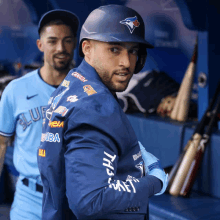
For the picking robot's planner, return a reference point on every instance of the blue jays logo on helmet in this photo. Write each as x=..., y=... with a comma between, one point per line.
x=131, y=23
x=53, y=105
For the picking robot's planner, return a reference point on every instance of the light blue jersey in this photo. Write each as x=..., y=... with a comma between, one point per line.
x=22, y=108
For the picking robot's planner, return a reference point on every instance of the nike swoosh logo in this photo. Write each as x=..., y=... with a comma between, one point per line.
x=30, y=97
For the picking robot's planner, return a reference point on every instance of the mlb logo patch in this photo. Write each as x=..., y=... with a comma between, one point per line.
x=131, y=23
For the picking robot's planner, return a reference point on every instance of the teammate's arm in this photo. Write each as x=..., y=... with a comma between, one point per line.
x=3, y=145
x=7, y=122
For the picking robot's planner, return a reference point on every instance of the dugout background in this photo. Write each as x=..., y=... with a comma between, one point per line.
x=172, y=27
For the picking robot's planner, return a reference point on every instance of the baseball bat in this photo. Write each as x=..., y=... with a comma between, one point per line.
x=189, y=154
x=175, y=110
x=191, y=176
x=181, y=106
x=199, y=128
x=174, y=169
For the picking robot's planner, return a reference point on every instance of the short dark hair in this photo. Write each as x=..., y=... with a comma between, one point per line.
x=57, y=22
x=63, y=16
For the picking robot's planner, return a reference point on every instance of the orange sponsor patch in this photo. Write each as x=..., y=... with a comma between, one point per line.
x=56, y=124
x=89, y=90
x=42, y=153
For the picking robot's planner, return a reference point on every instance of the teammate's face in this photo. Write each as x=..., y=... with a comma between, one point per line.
x=57, y=42
x=114, y=62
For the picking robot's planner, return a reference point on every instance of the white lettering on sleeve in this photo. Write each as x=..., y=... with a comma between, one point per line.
x=134, y=190
x=126, y=186
x=108, y=164
x=109, y=172
x=117, y=185
x=110, y=156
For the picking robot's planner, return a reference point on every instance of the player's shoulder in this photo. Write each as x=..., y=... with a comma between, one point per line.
x=91, y=97
x=29, y=77
x=85, y=84
x=80, y=90
x=85, y=88
x=18, y=84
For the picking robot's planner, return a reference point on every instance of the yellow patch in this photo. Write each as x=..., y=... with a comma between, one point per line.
x=56, y=124
x=66, y=83
x=89, y=90
x=42, y=153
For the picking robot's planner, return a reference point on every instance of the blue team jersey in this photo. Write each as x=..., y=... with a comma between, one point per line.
x=89, y=158
x=22, y=108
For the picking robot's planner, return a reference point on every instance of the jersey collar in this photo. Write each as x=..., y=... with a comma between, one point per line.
x=88, y=71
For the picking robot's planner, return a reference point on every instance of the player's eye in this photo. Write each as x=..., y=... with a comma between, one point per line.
x=69, y=41
x=114, y=50
x=52, y=42
x=134, y=51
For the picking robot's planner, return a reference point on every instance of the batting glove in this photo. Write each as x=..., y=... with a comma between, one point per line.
x=152, y=167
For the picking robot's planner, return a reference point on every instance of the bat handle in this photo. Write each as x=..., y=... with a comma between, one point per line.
x=191, y=176
x=185, y=166
x=173, y=171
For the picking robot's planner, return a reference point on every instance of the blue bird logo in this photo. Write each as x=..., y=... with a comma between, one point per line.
x=53, y=105
x=131, y=23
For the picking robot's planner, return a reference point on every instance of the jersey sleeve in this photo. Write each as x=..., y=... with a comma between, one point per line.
x=91, y=159
x=7, y=119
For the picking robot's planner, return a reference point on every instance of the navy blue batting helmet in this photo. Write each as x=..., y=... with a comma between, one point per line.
x=116, y=23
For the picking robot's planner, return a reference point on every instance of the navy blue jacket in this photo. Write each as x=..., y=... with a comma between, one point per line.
x=89, y=158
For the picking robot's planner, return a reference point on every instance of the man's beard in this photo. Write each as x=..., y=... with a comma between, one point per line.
x=62, y=65
x=106, y=77
x=107, y=80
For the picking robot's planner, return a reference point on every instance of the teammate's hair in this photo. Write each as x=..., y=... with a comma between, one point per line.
x=56, y=22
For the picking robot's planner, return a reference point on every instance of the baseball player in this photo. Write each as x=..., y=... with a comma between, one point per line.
x=91, y=163
x=23, y=106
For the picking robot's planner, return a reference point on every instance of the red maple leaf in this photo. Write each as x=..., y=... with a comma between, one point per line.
x=136, y=23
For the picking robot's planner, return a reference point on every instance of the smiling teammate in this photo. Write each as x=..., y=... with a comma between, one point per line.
x=90, y=160
x=23, y=105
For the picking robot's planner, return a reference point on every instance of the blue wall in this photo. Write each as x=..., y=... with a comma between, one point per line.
x=164, y=29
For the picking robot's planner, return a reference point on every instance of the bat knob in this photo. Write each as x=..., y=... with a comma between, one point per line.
x=202, y=79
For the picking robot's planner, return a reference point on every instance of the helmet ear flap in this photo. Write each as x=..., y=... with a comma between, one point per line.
x=142, y=56
x=80, y=49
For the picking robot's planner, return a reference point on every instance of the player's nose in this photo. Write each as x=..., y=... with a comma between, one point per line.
x=60, y=46
x=125, y=59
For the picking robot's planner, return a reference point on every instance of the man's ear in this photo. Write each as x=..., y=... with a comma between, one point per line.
x=40, y=45
x=86, y=48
